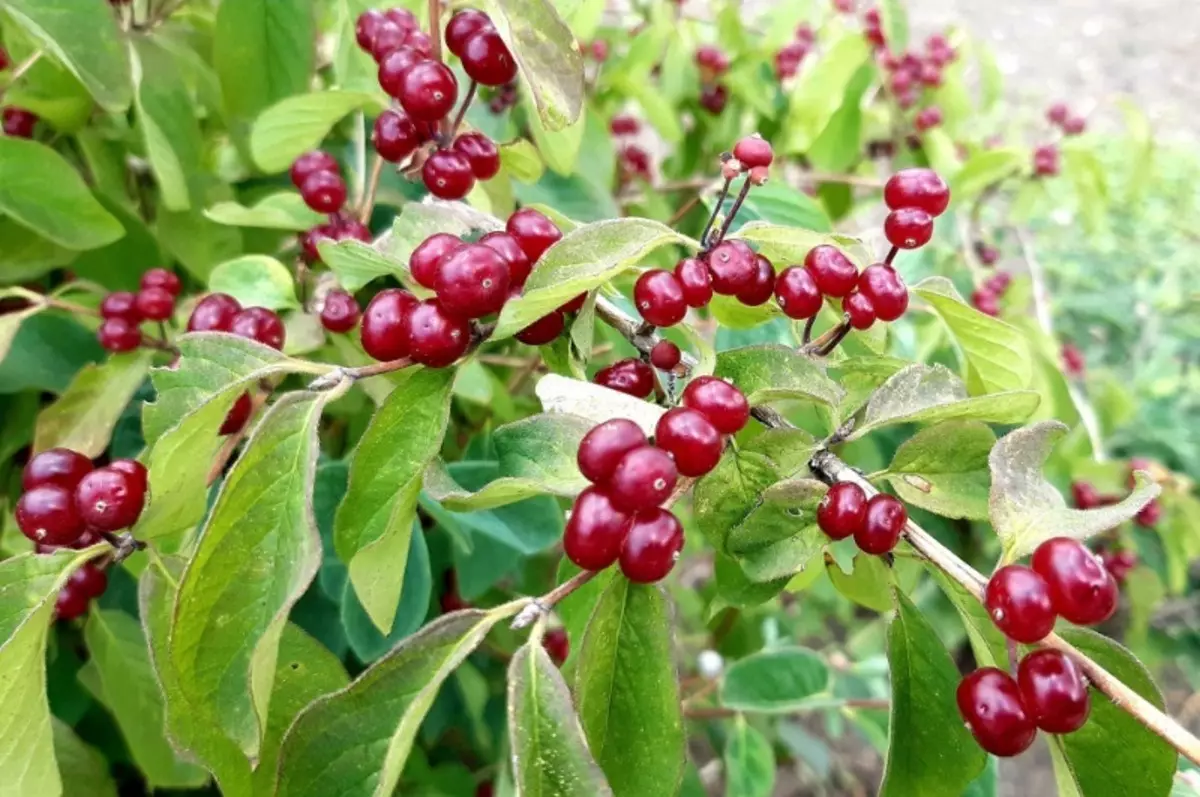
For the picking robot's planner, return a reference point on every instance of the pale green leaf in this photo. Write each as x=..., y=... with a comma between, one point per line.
x=775, y=681
x=83, y=417
x=785, y=246
x=944, y=469
x=819, y=89
x=749, y=762
x=559, y=149
x=83, y=769
x=773, y=372
x=255, y=281
x=284, y=210
x=298, y=124
x=521, y=160
x=985, y=169
x=869, y=584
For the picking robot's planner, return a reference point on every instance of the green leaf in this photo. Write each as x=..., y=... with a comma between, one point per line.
x=894, y=22
x=584, y=259
x=996, y=354
x=929, y=750
x=284, y=210
x=83, y=35
x=576, y=197
x=775, y=681
x=25, y=256
x=1026, y=509
x=944, y=469
x=724, y=498
x=122, y=659
x=819, y=90
x=364, y=638
x=166, y=118
x=43, y=351
x=83, y=417
x=374, y=522
x=985, y=169
x=1088, y=176
x=119, y=265
x=41, y=191
x=263, y=51
x=354, y=742
x=749, y=762
x=196, y=242
x=775, y=205
x=549, y=755
x=255, y=280
x=627, y=692
x=773, y=372
x=83, y=769
x=298, y=124
x=521, y=160
x=255, y=556
x=869, y=585
x=987, y=642
x=930, y=394
x=840, y=144
x=547, y=56
x=1113, y=753
x=785, y=245
x=559, y=149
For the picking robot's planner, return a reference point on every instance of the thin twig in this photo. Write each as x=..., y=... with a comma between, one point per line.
x=20, y=69
x=462, y=112
x=337, y=376
x=368, y=205
x=808, y=329
x=734, y=208
x=823, y=345
x=716, y=209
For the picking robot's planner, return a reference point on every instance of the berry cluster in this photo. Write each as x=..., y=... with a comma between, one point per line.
x=68, y=503
x=619, y=518
x=1046, y=161
x=875, y=524
x=124, y=311
x=318, y=177
x=986, y=298
x=789, y=58
x=633, y=161
x=910, y=74
x=713, y=63
x=1061, y=117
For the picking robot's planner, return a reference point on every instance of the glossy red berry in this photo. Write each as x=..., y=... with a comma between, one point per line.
x=420, y=42
x=651, y=547
x=881, y=529
x=214, y=313
x=722, y=403
x=260, y=324
x=886, y=289
x=161, y=278
x=118, y=335
x=713, y=98
x=917, y=188
x=472, y=281
x=642, y=479
x=395, y=136
x=70, y=604
x=436, y=337
x=754, y=151
x=689, y=437
x=630, y=376
x=533, y=231
x=109, y=500
x=990, y=703
x=665, y=355
x=763, y=285
x=324, y=192
x=428, y=90
x=545, y=330
x=462, y=26
x=237, y=416
x=575, y=305
x=385, y=324
x=1018, y=600
x=60, y=466
x=136, y=471
x=311, y=163
x=88, y=581
x=486, y=58
x=47, y=515
x=731, y=264
x=908, y=228
x=595, y=531
x=1082, y=590
x=365, y=27
x=18, y=122
x=986, y=302
x=392, y=67
x=696, y=281
x=1085, y=495
x=842, y=511
x=388, y=38
x=860, y=310
x=605, y=445
x=340, y=312
x=1058, y=113
x=835, y=274
x=797, y=293
x=447, y=174
x=423, y=263
x=659, y=298
x=121, y=304
x=311, y=239
x=481, y=152
x=507, y=247
x=155, y=304
x=1045, y=160
x=1054, y=691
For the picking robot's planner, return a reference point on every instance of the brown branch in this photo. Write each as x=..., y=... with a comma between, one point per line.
x=368, y=205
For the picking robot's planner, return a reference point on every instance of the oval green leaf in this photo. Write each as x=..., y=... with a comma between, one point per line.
x=749, y=762
x=83, y=417
x=297, y=124
x=774, y=681
x=255, y=281
x=281, y=211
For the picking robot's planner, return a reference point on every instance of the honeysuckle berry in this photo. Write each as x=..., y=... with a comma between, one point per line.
x=1074, y=126
x=118, y=335
x=986, y=302
x=598, y=49
x=1149, y=515
x=437, y=337
x=1045, y=161
x=486, y=58
x=691, y=439
x=754, y=151
x=696, y=281
x=108, y=499
x=884, y=522
x=135, y=470
x=630, y=376
x=1018, y=600
x=931, y=77
x=988, y=255
x=533, y=231
x=70, y=605
x=834, y=273
x=237, y=416
x=998, y=283
x=643, y=479
x=595, y=531
x=886, y=289
x=121, y=304
x=762, y=286
x=155, y=304
x=47, y=514
x=18, y=122
x=481, y=152
x=59, y=466
x=394, y=136
x=557, y=645
x=324, y=192
x=1057, y=113
x=604, y=446
x=723, y=404
x=420, y=42
x=1085, y=495
x=842, y=511
x=665, y=355
x=990, y=703
x=309, y=164
x=448, y=174
x=658, y=296
x=713, y=98
x=424, y=260
x=391, y=70
x=1054, y=691
x=365, y=27
x=214, y=313
x=711, y=60
x=624, y=125
x=731, y=264
x=860, y=311
x=89, y=581
x=472, y=281
x=1073, y=361
x=797, y=292
x=928, y=118
x=388, y=37
x=340, y=312
x=161, y=278
x=462, y=26
x=908, y=228
x=260, y=324
x=545, y=330
x=428, y=90
x=917, y=188
x=1118, y=563
x=1082, y=591
x=519, y=265
x=652, y=546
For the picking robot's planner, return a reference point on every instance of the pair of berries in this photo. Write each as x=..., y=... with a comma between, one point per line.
x=988, y=255
x=1004, y=714
x=876, y=523
x=18, y=122
x=713, y=63
x=64, y=497
x=124, y=311
x=1061, y=117
x=789, y=58
x=915, y=197
x=84, y=585
x=1046, y=161
x=1064, y=579
x=873, y=29
x=318, y=177
x=339, y=228
x=986, y=298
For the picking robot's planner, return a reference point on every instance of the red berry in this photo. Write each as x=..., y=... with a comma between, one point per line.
x=365, y=27
x=883, y=525
x=659, y=298
x=545, y=330
x=696, y=281
x=1018, y=600
x=595, y=530
x=260, y=324
x=575, y=305
x=1085, y=495
x=472, y=281
x=886, y=289
x=917, y=188
x=1074, y=363
x=990, y=703
x=395, y=136
x=486, y=58
x=860, y=309
x=533, y=231
x=118, y=335
x=238, y=414
x=428, y=90
x=1045, y=160
x=1054, y=691
x=928, y=118
x=722, y=403
x=447, y=174
x=754, y=151
x=88, y=581
x=340, y=312
x=161, y=278
x=732, y=266
x=121, y=304
x=47, y=515
x=908, y=228
x=385, y=324
x=1149, y=515
x=665, y=355
x=604, y=446
x=763, y=285
x=689, y=437
x=835, y=274
x=1058, y=113
x=987, y=254
x=630, y=376
x=18, y=122
x=60, y=466
x=155, y=304
x=423, y=263
x=406, y=19
x=1082, y=591
x=311, y=163
x=624, y=125
x=310, y=239
x=388, y=38
x=986, y=302
x=391, y=70
x=436, y=337
x=712, y=59
x=480, y=151
x=507, y=247
x=353, y=230
x=70, y=604
x=642, y=479
x=842, y=511
x=109, y=499
x=556, y=645
x=214, y=312
x=324, y=192
x=1074, y=126
x=651, y=547
x=713, y=98
x=463, y=26
x=797, y=293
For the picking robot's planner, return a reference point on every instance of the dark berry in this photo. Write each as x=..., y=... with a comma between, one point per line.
x=118, y=335
x=1149, y=515
x=1085, y=495
x=860, y=309
x=1054, y=691
x=340, y=312
x=763, y=285
x=60, y=466
x=462, y=26
x=533, y=231
x=1058, y=113
x=88, y=581
x=754, y=151
x=507, y=247
x=47, y=515
x=324, y=192
x=712, y=59
x=311, y=239
x=659, y=298
x=309, y=164
x=842, y=511
x=428, y=90
x=604, y=446
x=155, y=304
x=486, y=58
x=70, y=604
x=732, y=266
x=1082, y=591
x=406, y=19
x=689, y=437
x=395, y=136
x=1045, y=160
x=472, y=281
x=423, y=263
x=713, y=98
x=595, y=530
x=643, y=479
x=624, y=125
x=260, y=324
x=545, y=330
x=447, y=174
x=917, y=188
x=109, y=500
x=630, y=376
x=651, y=547
x=987, y=254
x=385, y=324
x=436, y=337
x=1074, y=126
x=557, y=645
x=797, y=293
x=990, y=703
x=214, y=313
x=908, y=228
x=480, y=152
x=1074, y=363
x=353, y=230
x=1018, y=601
x=696, y=281
x=886, y=289
x=881, y=529
x=575, y=305
x=121, y=304
x=722, y=403
x=665, y=355
x=238, y=414
x=835, y=274
x=161, y=278
x=392, y=67
x=18, y=122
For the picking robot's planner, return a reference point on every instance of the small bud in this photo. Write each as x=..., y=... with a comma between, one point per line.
x=731, y=168
x=759, y=175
